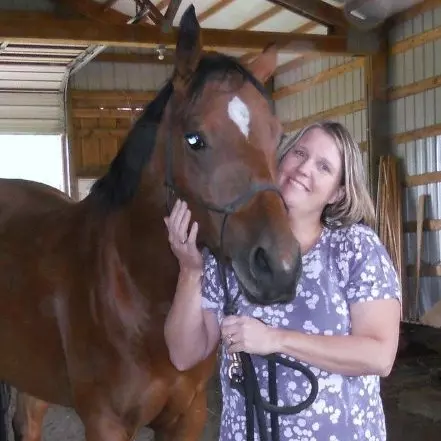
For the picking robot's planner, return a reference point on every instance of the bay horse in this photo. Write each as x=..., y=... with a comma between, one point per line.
x=85, y=286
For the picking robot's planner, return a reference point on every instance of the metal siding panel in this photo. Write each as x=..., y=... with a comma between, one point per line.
x=334, y=92
x=429, y=106
x=357, y=126
x=326, y=95
x=418, y=24
x=319, y=95
x=357, y=85
x=427, y=21
x=305, y=103
x=438, y=105
x=408, y=67
x=437, y=61
x=429, y=59
x=410, y=112
x=341, y=90
x=408, y=29
x=437, y=17
x=312, y=108
x=349, y=89
x=418, y=63
x=419, y=113
x=400, y=123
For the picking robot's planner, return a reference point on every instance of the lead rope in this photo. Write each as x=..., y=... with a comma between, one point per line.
x=243, y=375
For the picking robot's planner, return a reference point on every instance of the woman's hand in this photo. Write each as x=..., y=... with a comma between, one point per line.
x=247, y=334
x=182, y=243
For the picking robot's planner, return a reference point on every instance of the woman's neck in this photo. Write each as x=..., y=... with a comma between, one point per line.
x=307, y=231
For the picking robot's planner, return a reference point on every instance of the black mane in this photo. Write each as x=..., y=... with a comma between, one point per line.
x=118, y=186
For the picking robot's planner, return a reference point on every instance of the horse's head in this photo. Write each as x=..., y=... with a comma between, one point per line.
x=220, y=137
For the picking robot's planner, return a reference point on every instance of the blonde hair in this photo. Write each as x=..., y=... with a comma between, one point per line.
x=356, y=204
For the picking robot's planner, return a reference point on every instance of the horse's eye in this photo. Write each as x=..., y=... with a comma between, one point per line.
x=195, y=141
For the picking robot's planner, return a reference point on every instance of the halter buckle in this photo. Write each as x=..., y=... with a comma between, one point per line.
x=235, y=370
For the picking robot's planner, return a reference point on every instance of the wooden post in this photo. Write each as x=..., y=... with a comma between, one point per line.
x=378, y=119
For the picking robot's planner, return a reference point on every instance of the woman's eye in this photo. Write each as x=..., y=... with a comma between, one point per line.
x=195, y=141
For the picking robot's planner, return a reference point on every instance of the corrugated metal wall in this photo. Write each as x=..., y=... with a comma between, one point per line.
x=121, y=76
x=325, y=87
x=415, y=70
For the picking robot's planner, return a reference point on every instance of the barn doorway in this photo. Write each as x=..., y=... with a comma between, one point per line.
x=33, y=157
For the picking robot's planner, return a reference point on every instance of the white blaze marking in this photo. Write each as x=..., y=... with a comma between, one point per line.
x=240, y=115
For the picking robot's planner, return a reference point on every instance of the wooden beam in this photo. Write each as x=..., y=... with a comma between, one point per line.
x=121, y=57
x=422, y=179
x=315, y=10
x=65, y=31
x=170, y=15
x=378, y=111
x=413, y=135
x=345, y=109
x=428, y=225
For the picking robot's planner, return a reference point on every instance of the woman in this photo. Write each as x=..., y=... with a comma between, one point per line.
x=344, y=321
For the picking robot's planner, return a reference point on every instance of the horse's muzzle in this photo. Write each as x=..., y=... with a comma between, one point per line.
x=266, y=277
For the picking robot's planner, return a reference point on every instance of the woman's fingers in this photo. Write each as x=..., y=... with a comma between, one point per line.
x=183, y=226
x=193, y=234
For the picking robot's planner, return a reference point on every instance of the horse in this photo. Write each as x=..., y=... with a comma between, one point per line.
x=85, y=286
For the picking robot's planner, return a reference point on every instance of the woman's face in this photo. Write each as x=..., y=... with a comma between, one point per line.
x=310, y=174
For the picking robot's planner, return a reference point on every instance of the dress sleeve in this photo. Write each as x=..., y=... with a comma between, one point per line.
x=212, y=292
x=372, y=275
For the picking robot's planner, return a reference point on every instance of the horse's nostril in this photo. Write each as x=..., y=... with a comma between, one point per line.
x=260, y=264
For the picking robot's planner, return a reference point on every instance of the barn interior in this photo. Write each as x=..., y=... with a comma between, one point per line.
x=80, y=72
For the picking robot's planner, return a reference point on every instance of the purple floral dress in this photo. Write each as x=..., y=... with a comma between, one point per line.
x=346, y=266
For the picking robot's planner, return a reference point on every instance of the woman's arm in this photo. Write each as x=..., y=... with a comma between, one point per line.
x=191, y=333
x=370, y=350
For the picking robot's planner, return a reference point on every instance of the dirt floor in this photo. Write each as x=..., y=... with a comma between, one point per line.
x=411, y=396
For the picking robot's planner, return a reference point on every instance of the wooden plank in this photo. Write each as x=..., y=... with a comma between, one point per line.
x=412, y=135
x=413, y=11
x=104, y=113
x=427, y=270
x=413, y=88
x=112, y=57
x=331, y=113
x=315, y=10
x=112, y=95
x=378, y=118
x=416, y=40
x=317, y=79
x=72, y=31
x=422, y=179
x=428, y=225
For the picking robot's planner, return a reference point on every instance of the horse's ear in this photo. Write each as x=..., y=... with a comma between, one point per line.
x=264, y=65
x=188, y=46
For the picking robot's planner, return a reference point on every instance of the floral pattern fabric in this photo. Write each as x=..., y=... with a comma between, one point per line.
x=345, y=266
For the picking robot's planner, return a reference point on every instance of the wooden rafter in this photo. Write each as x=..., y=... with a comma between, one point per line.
x=29, y=28
x=170, y=14
x=315, y=10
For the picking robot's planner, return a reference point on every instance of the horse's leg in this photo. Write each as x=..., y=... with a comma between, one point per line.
x=27, y=422
x=190, y=425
